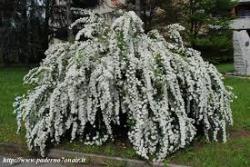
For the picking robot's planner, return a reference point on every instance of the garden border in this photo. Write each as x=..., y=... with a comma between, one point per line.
x=93, y=159
x=235, y=75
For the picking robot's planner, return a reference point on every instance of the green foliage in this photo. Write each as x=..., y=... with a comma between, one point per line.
x=200, y=13
x=24, y=32
x=208, y=22
x=216, y=46
x=173, y=11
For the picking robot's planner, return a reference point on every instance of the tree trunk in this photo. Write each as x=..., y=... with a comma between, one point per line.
x=69, y=21
x=138, y=7
x=46, y=25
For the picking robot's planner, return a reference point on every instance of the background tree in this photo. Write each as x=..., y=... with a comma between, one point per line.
x=201, y=13
x=25, y=31
x=207, y=22
x=27, y=21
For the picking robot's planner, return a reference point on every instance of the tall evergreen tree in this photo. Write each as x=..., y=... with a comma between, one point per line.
x=204, y=12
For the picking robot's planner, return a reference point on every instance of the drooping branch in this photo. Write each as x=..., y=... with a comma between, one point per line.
x=166, y=90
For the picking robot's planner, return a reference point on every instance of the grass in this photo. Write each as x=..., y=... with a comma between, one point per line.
x=10, y=87
x=225, y=68
x=236, y=152
x=241, y=105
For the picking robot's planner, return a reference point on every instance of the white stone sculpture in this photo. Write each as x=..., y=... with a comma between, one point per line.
x=241, y=38
x=241, y=42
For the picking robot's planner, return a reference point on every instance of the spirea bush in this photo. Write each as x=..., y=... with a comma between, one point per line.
x=167, y=92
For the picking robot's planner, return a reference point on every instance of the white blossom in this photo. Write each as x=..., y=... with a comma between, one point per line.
x=84, y=89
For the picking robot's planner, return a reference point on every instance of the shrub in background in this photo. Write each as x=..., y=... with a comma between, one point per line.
x=215, y=47
x=165, y=90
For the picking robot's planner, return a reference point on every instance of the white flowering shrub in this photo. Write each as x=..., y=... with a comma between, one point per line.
x=166, y=90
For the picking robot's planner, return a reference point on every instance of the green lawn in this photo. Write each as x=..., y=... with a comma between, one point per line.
x=225, y=68
x=10, y=87
x=235, y=153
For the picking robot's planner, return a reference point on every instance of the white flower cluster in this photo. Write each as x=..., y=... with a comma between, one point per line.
x=85, y=88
